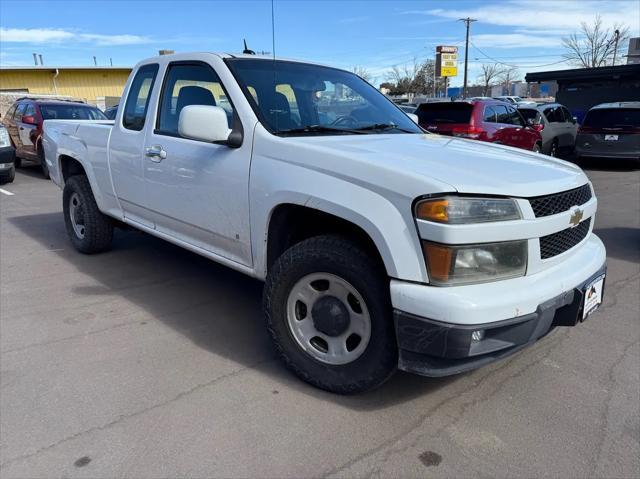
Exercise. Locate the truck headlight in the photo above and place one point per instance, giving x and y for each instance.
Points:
(462, 210)
(4, 137)
(464, 264)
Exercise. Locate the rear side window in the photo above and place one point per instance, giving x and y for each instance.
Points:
(17, 115)
(451, 112)
(613, 118)
(489, 115)
(189, 84)
(502, 115)
(29, 110)
(554, 115)
(135, 110)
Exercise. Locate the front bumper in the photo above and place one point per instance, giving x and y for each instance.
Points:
(434, 325)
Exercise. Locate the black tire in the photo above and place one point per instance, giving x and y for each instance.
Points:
(17, 162)
(554, 149)
(8, 178)
(343, 258)
(97, 228)
(537, 148)
(43, 163)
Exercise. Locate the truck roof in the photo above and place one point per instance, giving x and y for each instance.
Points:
(223, 55)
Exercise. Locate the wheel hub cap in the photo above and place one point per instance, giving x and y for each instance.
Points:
(330, 316)
(76, 214)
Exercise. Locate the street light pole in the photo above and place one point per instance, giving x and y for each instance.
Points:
(467, 22)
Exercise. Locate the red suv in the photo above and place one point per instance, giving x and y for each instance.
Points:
(24, 123)
(484, 120)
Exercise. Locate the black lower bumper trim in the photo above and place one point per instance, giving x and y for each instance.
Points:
(435, 348)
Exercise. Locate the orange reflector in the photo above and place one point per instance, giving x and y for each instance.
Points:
(433, 210)
(438, 260)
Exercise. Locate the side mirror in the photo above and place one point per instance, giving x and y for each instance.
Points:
(204, 122)
(29, 120)
(414, 117)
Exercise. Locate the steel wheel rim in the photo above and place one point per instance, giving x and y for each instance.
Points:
(335, 350)
(76, 215)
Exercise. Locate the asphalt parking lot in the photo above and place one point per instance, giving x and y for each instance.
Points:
(150, 361)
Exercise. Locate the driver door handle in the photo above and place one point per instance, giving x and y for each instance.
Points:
(155, 153)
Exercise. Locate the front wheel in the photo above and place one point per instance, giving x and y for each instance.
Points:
(9, 177)
(327, 308)
(537, 148)
(89, 230)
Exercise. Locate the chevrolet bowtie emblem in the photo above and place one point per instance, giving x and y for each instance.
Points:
(576, 217)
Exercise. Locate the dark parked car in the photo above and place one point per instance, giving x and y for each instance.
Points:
(485, 120)
(7, 157)
(111, 112)
(555, 124)
(610, 130)
(24, 122)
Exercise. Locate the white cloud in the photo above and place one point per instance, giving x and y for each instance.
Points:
(54, 35)
(559, 14)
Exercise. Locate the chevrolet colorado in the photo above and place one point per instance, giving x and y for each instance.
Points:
(381, 246)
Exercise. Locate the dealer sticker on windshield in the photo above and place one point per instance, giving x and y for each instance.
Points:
(610, 137)
(592, 296)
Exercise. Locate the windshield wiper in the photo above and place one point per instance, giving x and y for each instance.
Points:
(382, 127)
(318, 129)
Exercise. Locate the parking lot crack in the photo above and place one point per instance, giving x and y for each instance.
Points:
(124, 417)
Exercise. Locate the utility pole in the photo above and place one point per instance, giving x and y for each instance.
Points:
(615, 46)
(467, 22)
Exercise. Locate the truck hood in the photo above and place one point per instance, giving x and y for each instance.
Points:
(466, 166)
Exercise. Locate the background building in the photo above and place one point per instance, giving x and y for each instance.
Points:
(582, 88)
(633, 56)
(99, 86)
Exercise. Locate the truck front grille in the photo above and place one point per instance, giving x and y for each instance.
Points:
(556, 243)
(559, 202)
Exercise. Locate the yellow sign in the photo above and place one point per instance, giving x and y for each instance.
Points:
(446, 61)
(449, 71)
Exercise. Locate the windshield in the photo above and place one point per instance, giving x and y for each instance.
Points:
(71, 112)
(293, 98)
(613, 118)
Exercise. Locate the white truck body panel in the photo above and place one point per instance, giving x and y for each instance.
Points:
(218, 201)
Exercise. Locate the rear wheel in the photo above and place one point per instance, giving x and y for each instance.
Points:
(89, 230)
(328, 311)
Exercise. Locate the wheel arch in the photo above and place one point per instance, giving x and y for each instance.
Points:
(392, 243)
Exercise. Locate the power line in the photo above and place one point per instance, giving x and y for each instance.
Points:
(513, 65)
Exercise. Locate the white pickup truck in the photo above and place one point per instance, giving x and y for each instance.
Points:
(381, 246)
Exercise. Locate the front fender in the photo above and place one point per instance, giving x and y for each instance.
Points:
(391, 229)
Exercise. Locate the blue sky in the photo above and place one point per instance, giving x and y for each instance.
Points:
(373, 34)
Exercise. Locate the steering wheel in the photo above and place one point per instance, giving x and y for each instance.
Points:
(345, 120)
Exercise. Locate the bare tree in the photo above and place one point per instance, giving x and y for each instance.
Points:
(489, 76)
(362, 72)
(594, 45)
(508, 76)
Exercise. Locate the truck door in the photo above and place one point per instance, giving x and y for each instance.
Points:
(198, 191)
(126, 147)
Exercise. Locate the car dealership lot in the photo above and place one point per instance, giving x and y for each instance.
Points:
(149, 361)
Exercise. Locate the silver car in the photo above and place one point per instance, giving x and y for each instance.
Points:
(555, 124)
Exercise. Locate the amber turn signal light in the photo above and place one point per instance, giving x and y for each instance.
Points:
(438, 261)
(433, 210)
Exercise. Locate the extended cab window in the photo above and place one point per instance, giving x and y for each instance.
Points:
(189, 84)
(135, 109)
